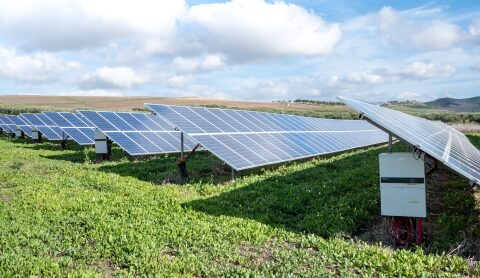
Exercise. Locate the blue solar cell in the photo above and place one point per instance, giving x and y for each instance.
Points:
(27, 130)
(75, 119)
(164, 141)
(49, 132)
(146, 120)
(220, 123)
(165, 125)
(228, 119)
(83, 136)
(57, 119)
(115, 120)
(33, 119)
(133, 122)
(143, 141)
(219, 149)
(17, 121)
(98, 121)
(127, 144)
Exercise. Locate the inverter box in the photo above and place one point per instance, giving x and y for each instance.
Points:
(101, 144)
(36, 135)
(402, 185)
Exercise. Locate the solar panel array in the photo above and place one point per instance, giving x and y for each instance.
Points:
(439, 140)
(6, 124)
(21, 124)
(74, 126)
(138, 133)
(246, 139)
(41, 123)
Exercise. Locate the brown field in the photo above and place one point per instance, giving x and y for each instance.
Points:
(129, 103)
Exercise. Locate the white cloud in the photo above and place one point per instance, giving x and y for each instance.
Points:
(416, 29)
(198, 64)
(33, 68)
(74, 24)
(244, 29)
(255, 29)
(422, 70)
(112, 77)
(415, 70)
(91, 93)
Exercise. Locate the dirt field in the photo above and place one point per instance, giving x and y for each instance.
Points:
(129, 103)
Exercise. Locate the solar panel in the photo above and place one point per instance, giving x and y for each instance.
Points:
(74, 126)
(41, 123)
(21, 124)
(247, 139)
(437, 139)
(7, 125)
(1, 124)
(138, 133)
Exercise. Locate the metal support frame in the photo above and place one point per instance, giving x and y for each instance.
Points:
(390, 143)
(182, 164)
(233, 175)
(63, 143)
(182, 146)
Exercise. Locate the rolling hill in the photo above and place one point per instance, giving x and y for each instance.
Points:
(457, 105)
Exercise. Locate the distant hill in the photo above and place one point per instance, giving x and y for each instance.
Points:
(457, 105)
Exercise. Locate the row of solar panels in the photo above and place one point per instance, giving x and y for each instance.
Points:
(247, 139)
(242, 139)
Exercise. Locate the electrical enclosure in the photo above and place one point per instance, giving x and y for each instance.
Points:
(402, 185)
(101, 144)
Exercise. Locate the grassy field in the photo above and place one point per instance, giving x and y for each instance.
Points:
(61, 214)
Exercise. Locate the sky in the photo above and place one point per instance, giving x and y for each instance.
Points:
(241, 49)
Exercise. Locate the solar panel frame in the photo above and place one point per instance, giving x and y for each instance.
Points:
(142, 133)
(232, 134)
(41, 123)
(21, 124)
(452, 149)
(8, 125)
(74, 126)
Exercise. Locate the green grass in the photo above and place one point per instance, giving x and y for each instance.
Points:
(61, 214)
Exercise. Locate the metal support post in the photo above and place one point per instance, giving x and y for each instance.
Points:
(390, 139)
(181, 146)
(233, 175)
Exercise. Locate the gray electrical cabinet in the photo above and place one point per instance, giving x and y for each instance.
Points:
(101, 144)
(36, 135)
(402, 185)
(18, 132)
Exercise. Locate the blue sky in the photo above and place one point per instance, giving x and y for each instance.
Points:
(241, 49)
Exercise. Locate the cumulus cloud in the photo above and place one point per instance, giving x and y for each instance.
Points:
(112, 78)
(91, 93)
(198, 64)
(407, 29)
(249, 29)
(38, 67)
(53, 25)
(246, 29)
(415, 70)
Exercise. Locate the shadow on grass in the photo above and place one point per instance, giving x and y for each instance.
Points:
(330, 198)
(163, 169)
(342, 197)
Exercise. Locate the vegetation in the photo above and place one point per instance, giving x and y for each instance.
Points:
(309, 101)
(17, 109)
(61, 214)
